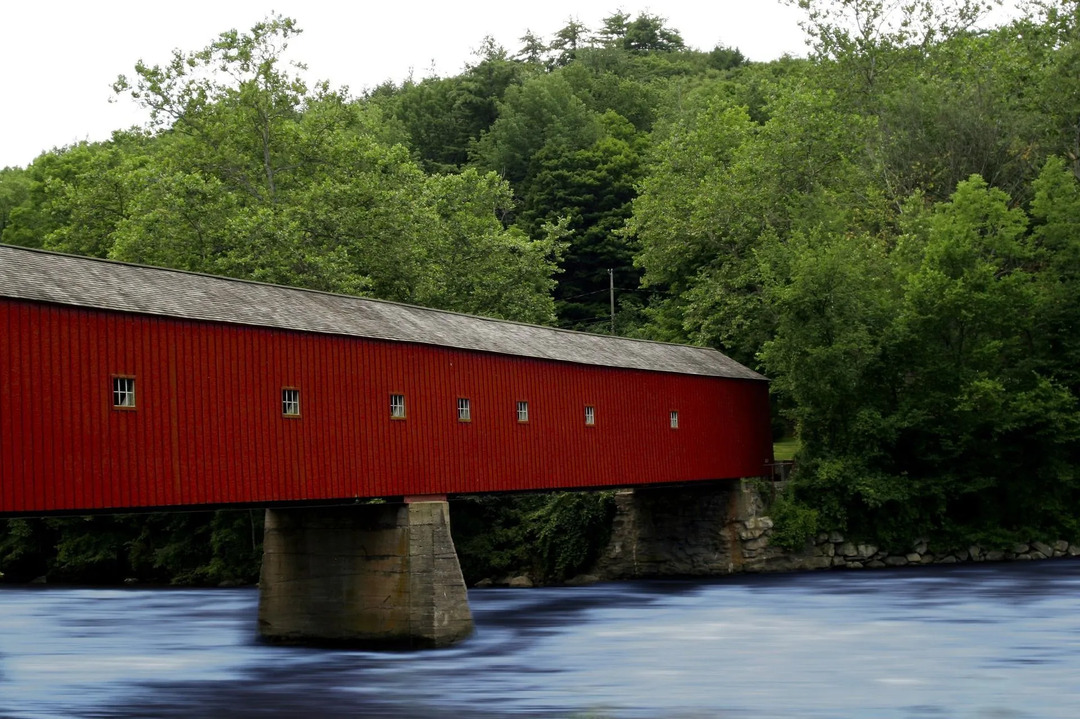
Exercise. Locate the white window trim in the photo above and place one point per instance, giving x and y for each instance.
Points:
(123, 392)
(523, 411)
(464, 409)
(590, 415)
(397, 409)
(290, 402)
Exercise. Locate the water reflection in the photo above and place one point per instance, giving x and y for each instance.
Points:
(980, 641)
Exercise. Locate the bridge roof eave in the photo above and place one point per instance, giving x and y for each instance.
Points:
(42, 276)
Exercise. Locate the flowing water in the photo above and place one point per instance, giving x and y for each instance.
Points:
(996, 641)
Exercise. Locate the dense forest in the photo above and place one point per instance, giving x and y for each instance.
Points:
(889, 229)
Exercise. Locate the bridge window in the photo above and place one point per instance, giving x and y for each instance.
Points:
(397, 406)
(674, 419)
(464, 411)
(523, 411)
(123, 392)
(590, 415)
(290, 402)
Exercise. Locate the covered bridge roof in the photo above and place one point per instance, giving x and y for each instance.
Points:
(41, 276)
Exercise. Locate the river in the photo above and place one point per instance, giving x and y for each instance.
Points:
(995, 641)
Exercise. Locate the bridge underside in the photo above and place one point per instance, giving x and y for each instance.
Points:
(376, 575)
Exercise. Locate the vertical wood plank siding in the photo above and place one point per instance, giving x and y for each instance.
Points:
(208, 425)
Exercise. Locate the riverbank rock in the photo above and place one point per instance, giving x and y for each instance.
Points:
(520, 582)
(754, 527)
(582, 580)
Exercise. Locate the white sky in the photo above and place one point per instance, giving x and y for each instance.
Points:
(58, 59)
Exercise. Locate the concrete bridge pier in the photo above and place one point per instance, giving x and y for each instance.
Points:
(368, 576)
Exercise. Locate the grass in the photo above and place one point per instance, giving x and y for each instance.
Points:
(785, 449)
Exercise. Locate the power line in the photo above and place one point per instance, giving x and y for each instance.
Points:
(641, 290)
(588, 321)
(584, 294)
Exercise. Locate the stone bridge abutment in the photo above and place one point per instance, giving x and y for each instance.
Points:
(373, 575)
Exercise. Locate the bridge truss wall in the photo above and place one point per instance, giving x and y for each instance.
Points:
(208, 426)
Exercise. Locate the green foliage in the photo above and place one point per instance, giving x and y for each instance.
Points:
(443, 117)
(25, 548)
(14, 195)
(917, 319)
(871, 39)
(490, 534)
(647, 33)
(570, 163)
(795, 524)
(569, 530)
(726, 188)
(922, 398)
(203, 548)
(722, 57)
(250, 172)
(553, 536)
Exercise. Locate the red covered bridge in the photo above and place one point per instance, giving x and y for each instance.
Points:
(124, 386)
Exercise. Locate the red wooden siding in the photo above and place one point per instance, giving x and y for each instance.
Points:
(208, 426)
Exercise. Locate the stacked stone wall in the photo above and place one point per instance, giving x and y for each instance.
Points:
(832, 550)
(724, 528)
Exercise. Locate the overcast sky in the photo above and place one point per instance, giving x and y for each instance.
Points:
(58, 59)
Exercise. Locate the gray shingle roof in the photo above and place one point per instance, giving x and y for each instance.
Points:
(85, 282)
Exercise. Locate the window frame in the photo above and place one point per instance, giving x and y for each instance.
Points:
(404, 407)
(117, 391)
(294, 401)
(522, 404)
(674, 419)
(590, 415)
(464, 410)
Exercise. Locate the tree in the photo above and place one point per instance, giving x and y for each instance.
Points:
(15, 189)
(867, 38)
(260, 177)
(444, 117)
(723, 57)
(541, 111)
(925, 404)
(723, 186)
(74, 198)
(1055, 214)
(613, 32)
(648, 33)
(592, 188)
(533, 49)
(569, 162)
(235, 99)
(568, 40)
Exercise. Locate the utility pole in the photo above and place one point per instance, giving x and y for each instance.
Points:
(611, 293)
